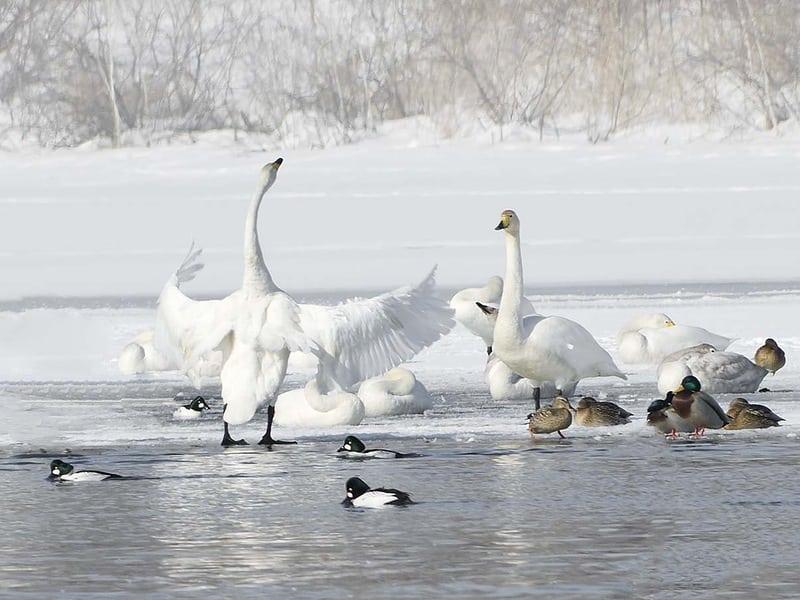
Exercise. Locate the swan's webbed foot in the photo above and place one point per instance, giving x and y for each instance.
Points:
(228, 441)
(269, 441)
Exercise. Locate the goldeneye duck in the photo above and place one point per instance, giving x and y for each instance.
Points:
(193, 410)
(63, 471)
(359, 495)
(355, 448)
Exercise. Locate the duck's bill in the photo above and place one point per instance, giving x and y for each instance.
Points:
(52, 477)
(342, 449)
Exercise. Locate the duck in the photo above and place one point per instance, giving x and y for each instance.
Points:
(193, 410)
(697, 407)
(591, 413)
(744, 415)
(662, 416)
(63, 471)
(718, 372)
(396, 392)
(466, 303)
(504, 384)
(770, 356)
(352, 447)
(542, 348)
(359, 495)
(648, 339)
(308, 407)
(551, 419)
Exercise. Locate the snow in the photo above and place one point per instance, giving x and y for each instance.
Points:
(381, 212)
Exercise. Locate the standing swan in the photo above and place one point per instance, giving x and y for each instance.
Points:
(467, 311)
(546, 348)
(255, 328)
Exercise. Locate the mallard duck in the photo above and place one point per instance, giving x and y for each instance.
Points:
(662, 416)
(591, 413)
(770, 356)
(697, 407)
(744, 415)
(553, 418)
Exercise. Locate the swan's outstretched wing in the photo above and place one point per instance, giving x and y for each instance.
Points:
(359, 339)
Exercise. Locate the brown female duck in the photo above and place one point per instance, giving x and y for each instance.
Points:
(553, 418)
(744, 415)
(591, 413)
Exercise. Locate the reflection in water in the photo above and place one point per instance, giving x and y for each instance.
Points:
(621, 514)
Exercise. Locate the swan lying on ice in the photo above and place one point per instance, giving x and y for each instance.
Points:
(470, 316)
(140, 356)
(718, 372)
(306, 407)
(504, 384)
(396, 392)
(542, 348)
(648, 339)
(257, 327)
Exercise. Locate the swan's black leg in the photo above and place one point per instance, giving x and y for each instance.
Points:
(267, 439)
(560, 393)
(489, 350)
(227, 440)
(563, 437)
(537, 398)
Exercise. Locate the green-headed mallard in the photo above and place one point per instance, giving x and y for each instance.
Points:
(553, 418)
(744, 415)
(591, 413)
(661, 415)
(697, 407)
(770, 356)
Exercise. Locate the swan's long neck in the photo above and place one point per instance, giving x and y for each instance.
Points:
(256, 275)
(509, 317)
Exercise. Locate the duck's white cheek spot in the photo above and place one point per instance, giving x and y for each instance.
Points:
(570, 346)
(349, 494)
(347, 446)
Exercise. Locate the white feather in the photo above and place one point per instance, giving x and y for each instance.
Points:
(373, 499)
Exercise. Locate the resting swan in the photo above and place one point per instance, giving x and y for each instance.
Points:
(396, 392)
(306, 407)
(467, 313)
(647, 339)
(542, 348)
(140, 356)
(718, 372)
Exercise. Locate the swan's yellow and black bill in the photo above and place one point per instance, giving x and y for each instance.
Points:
(505, 220)
(278, 162)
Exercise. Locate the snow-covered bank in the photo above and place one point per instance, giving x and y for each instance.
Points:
(380, 213)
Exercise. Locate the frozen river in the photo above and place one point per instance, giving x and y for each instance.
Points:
(605, 513)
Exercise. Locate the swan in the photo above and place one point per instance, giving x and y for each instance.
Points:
(718, 372)
(352, 341)
(470, 316)
(647, 339)
(396, 392)
(504, 384)
(306, 407)
(255, 328)
(542, 348)
(140, 356)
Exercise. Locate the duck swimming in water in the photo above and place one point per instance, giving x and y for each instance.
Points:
(359, 495)
(193, 410)
(352, 447)
(63, 471)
